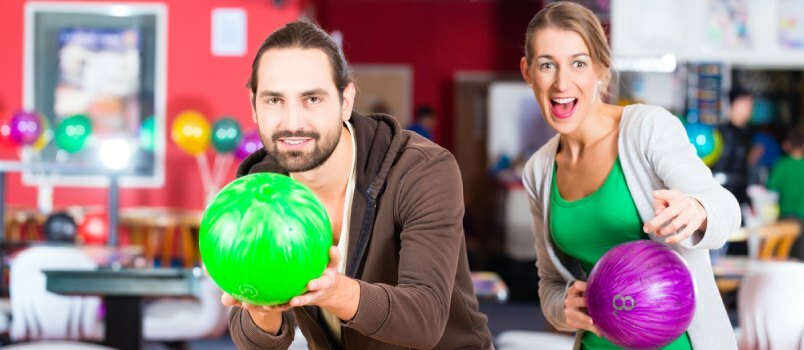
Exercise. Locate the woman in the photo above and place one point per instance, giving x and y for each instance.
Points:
(613, 174)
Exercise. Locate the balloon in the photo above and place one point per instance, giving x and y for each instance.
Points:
(147, 137)
(45, 137)
(264, 237)
(5, 131)
(25, 127)
(707, 140)
(94, 229)
(73, 132)
(249, 144)
(225, 135)
(717, 149)
(191, 132)
(641, 295)
(60, 227)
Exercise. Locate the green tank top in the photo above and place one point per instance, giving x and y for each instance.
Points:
(587, 228)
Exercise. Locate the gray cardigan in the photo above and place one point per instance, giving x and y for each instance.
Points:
(655, 154)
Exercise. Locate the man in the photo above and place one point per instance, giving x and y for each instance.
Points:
(398, 275)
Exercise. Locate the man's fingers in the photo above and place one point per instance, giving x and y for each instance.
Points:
(334, 257)
(228, 300)
(305, 299)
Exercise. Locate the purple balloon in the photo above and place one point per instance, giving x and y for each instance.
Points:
(641, 295)
(25, 127)
(249, 144)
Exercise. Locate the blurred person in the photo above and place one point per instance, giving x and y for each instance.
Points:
(787, 179)
(613, 174)
(424, 122)
(765, 151)
(733, 163)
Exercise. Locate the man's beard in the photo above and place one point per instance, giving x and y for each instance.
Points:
(298, 161)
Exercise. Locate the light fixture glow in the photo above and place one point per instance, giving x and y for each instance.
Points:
(115, 154)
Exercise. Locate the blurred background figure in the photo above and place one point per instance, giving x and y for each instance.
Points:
(424, 122)
(765, 151)
(732, 168)
(785, 179)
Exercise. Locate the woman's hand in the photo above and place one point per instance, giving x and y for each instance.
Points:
(575, 308)
(675, 213)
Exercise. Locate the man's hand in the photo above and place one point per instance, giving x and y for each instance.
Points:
(332, 291)
(268, 318)
(675, 212)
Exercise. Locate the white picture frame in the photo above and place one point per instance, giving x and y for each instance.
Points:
(45, 25)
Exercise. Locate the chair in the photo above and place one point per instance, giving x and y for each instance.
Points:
(525, 340)
(769, 242)
(174, 319)
(40, 315)
(771, 307)
(778, 239)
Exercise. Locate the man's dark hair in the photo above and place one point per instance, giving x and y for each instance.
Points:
(304, 35)
(423, 111)
(737, 92)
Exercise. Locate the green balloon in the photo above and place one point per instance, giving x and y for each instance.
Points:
(226, 135)
(73, 132)
(264, 237)
(147, 134)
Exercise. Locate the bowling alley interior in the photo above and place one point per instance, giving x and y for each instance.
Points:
(123, 124)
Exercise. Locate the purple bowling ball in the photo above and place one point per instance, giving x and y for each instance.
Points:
(641, 295)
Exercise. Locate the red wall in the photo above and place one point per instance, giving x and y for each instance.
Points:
(195, 79)
(436, 37)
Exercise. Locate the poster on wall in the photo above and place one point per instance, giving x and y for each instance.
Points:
(728, 24)
(791, 24)
(640, 28)
(96, 74)
(99, 76)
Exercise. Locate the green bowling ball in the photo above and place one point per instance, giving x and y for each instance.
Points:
(263, 237)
